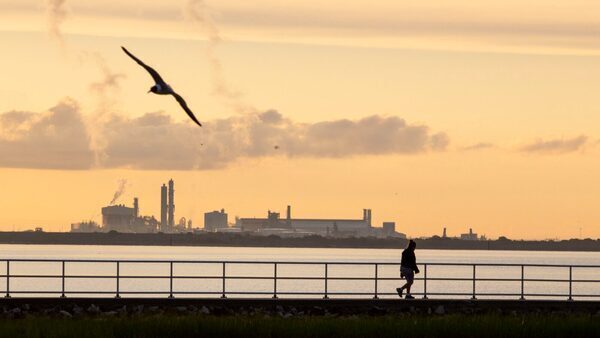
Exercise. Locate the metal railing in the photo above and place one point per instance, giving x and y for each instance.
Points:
(326, 279)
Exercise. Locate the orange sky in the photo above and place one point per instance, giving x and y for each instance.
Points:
(462, 115)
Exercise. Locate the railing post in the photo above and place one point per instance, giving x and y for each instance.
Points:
(376, 277)
(570, 282)
(275, 280)
(223, 295)
(326, 268)
(7, 279)
(63, 280)
(425, 281)
(118, 273)
(522, 282)
(171, 280)
(474, 297)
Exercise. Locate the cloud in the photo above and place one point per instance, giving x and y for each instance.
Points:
(478, 146)
(556, 146)
(59, 139)
(56, 139)
(518, 26)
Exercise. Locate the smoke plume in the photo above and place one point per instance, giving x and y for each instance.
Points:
(104, 90)
(122, 184)
(56, 14)
(198, 13)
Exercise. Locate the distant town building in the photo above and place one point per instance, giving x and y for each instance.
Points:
(215, 220)
(471, 236)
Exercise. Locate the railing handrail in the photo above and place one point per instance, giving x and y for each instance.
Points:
(326, 277)
(178, 261)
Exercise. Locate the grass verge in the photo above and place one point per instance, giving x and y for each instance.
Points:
(529, 326)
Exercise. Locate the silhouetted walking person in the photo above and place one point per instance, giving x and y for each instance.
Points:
(408, 268)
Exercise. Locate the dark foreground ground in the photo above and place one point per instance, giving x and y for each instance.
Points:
(296, 318)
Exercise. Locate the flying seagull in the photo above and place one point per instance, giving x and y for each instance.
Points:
(162, 88)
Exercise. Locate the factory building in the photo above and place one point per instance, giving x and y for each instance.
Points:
(319, 226)
(389, 228)
(184, 225)
(121, 218)
(215, 220)
(471, 236)
(336, 227)
(117, 218)
(86, 226)
(271, 222)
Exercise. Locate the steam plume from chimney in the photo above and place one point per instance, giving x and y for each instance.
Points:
(120, 191)
(104, 90)
(197, 12)
(56, 15)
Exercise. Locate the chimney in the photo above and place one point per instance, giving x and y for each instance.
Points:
(444, 235)
(171, 208)
(364, 214)
(136, 207)
(367, 217)
(288, 216)
(163, 208)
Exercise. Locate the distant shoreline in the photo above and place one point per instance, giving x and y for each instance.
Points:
(244, 240)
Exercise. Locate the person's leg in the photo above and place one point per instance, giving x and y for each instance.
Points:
(403, 287)
(407, 286)
(409, 282)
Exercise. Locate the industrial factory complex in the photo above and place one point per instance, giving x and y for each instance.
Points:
(124, 219)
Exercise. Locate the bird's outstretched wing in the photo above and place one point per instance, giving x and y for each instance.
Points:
(186, 108)
(153, 73)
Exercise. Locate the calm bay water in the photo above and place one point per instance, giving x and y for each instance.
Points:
(213, 286)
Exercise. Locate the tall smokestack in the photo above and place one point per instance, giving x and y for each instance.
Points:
(288, 216)
(364, 214)
(163, 208)
(369, 217)
(136, 207)
(171, 204)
